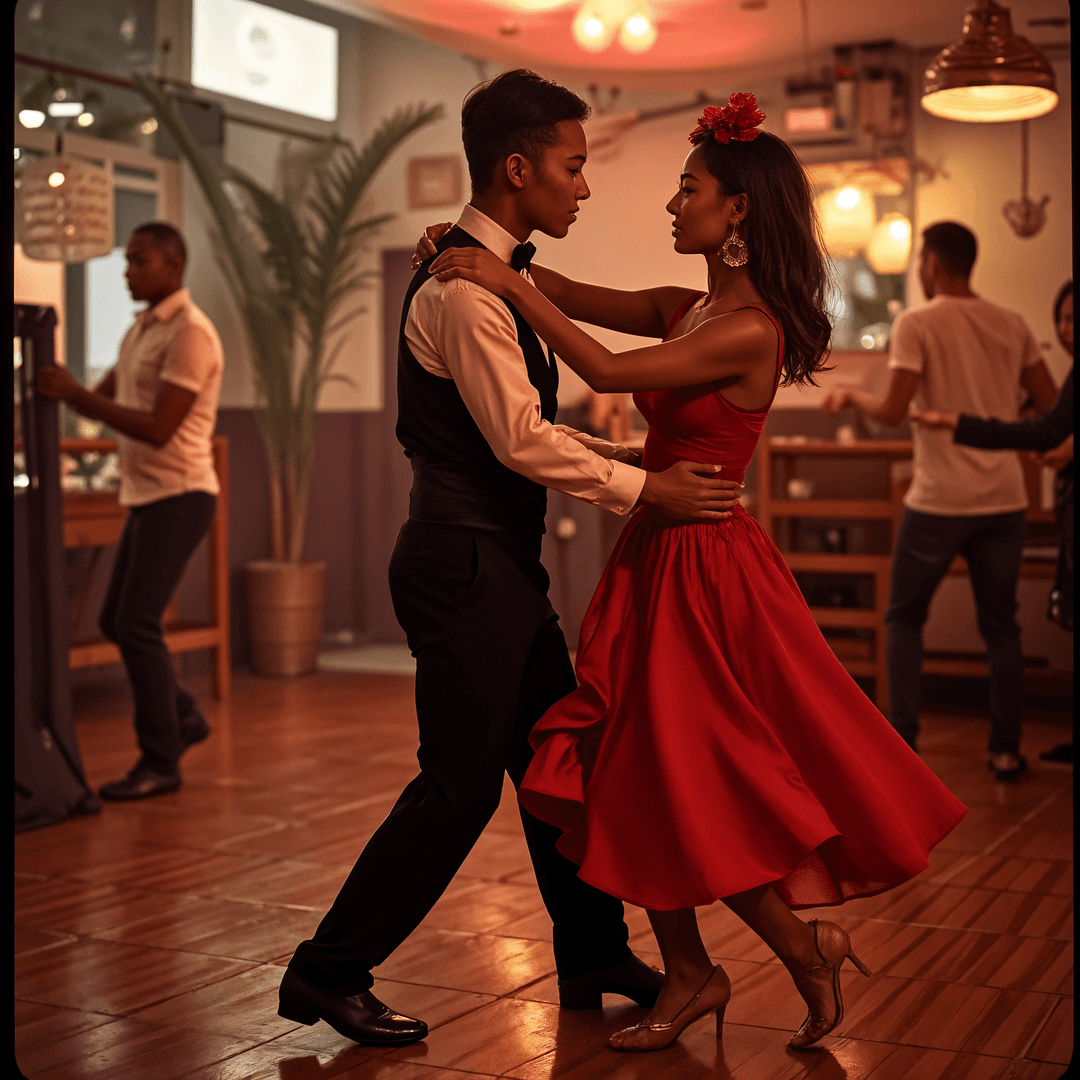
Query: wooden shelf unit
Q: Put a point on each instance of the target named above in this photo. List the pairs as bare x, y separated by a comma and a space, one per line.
96, 519
780, 455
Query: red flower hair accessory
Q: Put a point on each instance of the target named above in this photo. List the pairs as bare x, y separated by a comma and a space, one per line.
738, 120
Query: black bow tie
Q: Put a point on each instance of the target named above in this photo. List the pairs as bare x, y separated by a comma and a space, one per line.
522, 256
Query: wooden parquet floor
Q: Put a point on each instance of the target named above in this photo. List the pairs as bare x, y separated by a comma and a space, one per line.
150, 939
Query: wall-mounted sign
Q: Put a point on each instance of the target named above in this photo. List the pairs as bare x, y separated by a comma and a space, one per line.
434, 181
258, 53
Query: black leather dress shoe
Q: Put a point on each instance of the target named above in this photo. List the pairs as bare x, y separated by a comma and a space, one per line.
193, 729
142, 782
632, 978
360, 1017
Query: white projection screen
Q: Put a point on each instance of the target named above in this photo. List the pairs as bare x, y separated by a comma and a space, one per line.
258, 53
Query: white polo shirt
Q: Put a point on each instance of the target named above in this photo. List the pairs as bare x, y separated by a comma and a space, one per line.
173, 342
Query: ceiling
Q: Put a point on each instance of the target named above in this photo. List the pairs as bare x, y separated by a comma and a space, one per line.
695, 36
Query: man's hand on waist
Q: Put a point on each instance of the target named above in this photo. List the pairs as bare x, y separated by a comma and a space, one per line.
691, 491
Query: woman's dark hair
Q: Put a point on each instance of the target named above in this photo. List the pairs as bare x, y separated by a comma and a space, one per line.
1063, 294
787, 261
954, 245
517, 112
166, 237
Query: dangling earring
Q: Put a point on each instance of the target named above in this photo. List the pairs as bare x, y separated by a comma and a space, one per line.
734, 251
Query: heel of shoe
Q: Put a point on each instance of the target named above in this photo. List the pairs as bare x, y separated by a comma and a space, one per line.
580, 998
720, 1021
858, 963
292, 1004
298, 1014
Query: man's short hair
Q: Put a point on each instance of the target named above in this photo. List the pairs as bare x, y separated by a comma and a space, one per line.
517, 112
954, 245
166, 237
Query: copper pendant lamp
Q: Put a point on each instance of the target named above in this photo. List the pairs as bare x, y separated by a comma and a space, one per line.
991, 74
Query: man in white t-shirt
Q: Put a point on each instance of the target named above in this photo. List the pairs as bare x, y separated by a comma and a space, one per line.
161, 399
963, 353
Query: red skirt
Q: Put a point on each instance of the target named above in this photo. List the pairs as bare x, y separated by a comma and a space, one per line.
715, 742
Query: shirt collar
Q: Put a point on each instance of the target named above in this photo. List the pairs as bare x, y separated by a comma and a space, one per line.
168, 307
491, 234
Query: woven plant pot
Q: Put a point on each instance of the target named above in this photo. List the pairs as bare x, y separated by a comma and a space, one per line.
286, 603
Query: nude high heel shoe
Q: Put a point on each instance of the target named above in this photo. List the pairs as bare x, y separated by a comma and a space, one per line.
834, 947
713, 997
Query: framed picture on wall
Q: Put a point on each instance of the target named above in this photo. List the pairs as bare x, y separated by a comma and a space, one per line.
434, 181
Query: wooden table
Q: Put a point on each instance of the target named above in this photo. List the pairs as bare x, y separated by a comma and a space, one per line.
96, 519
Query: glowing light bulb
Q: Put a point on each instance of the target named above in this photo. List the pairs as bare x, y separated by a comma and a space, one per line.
590, 30
31, 118
148, 127
848, 198
56, 179
84, 119
638, 33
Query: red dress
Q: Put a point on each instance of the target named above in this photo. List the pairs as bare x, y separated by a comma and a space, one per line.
715, 743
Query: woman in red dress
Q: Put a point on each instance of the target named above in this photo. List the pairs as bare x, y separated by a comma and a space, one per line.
716, 749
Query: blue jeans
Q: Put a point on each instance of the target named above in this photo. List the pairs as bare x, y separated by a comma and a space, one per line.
926, 544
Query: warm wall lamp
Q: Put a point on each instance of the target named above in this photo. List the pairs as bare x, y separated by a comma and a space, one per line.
991, 74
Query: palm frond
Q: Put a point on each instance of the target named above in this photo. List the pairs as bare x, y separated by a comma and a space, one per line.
289, 264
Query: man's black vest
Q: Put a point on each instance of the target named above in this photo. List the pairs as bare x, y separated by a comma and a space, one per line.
457, 479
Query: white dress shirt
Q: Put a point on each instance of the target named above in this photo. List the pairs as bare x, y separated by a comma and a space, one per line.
458, 330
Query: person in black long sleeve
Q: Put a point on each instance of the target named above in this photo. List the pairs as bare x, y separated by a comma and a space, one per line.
1051, 433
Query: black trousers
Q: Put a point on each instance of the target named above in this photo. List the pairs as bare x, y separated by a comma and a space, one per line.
490, 660
157, 541
926, 544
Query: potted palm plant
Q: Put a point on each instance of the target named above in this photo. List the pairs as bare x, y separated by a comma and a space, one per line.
290, 261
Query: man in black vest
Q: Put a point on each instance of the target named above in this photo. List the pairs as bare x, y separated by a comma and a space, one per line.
476, 405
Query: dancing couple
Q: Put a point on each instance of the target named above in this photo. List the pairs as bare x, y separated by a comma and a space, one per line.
715, 748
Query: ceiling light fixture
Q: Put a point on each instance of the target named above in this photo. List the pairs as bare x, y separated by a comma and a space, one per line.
991, 74
65, 108
34, 102
598, 21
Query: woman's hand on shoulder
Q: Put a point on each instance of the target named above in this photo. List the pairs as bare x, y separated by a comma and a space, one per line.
425, 246
480, 266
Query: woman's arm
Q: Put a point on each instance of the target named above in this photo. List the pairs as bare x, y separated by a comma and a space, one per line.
1037, 433
645, 312
725, 347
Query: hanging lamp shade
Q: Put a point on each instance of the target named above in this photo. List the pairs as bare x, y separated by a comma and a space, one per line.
64, 210
991, 74
889, 248
847, 220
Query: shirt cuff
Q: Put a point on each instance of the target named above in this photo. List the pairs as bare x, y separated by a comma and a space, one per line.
622, 491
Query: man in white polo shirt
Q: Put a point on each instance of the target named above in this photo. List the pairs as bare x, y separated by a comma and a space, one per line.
963, 353
161, 398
